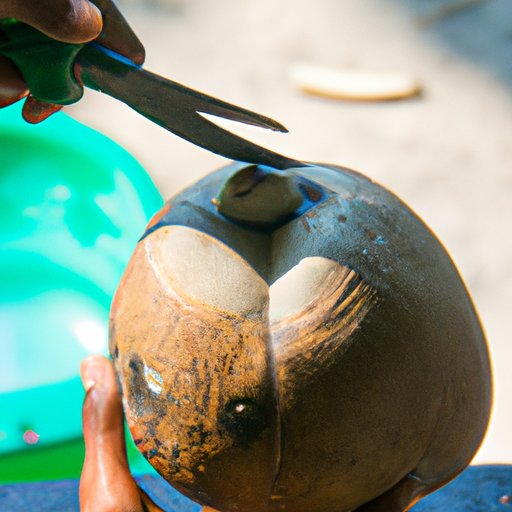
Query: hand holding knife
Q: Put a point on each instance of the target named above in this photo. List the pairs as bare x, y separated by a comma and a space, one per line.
56, 72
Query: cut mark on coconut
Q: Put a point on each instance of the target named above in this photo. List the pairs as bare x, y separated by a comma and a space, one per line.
299, 287
309, 312
206, 271
314, 309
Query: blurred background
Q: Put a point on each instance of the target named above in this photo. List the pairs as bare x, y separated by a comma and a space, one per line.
447, 152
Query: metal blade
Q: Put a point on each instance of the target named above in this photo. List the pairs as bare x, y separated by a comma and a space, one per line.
176, 107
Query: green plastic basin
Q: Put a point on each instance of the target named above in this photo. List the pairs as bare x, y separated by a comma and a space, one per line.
72, 207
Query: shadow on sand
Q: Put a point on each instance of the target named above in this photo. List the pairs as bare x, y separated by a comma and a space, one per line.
477, 30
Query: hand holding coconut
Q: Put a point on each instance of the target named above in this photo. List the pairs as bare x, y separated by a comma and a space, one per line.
298, 340
106, 483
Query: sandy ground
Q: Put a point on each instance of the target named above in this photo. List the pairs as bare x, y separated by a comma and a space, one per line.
448, 154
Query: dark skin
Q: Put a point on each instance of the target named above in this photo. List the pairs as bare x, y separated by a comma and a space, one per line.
69, 21
106, 484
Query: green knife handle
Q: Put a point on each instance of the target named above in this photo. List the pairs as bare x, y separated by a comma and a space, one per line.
45, 64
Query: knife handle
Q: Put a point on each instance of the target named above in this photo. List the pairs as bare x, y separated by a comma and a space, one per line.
45, 64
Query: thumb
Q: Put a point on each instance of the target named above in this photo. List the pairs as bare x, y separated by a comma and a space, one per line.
106, 483
71, 21
12, 86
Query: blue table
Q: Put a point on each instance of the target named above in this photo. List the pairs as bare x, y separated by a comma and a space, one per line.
478, 489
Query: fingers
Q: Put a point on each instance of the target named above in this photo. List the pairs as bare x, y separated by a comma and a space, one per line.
12, 85
106, 484
13, 88
70, 21
117, 33
78, 21
34, 110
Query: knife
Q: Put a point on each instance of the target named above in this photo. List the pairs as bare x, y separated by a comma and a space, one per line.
56, 72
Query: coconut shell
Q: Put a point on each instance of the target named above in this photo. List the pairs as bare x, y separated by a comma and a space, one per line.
328, 357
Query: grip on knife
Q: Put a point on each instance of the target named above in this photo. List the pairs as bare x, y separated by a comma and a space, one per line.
45, 64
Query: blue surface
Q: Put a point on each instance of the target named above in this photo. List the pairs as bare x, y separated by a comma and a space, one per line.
478, 489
